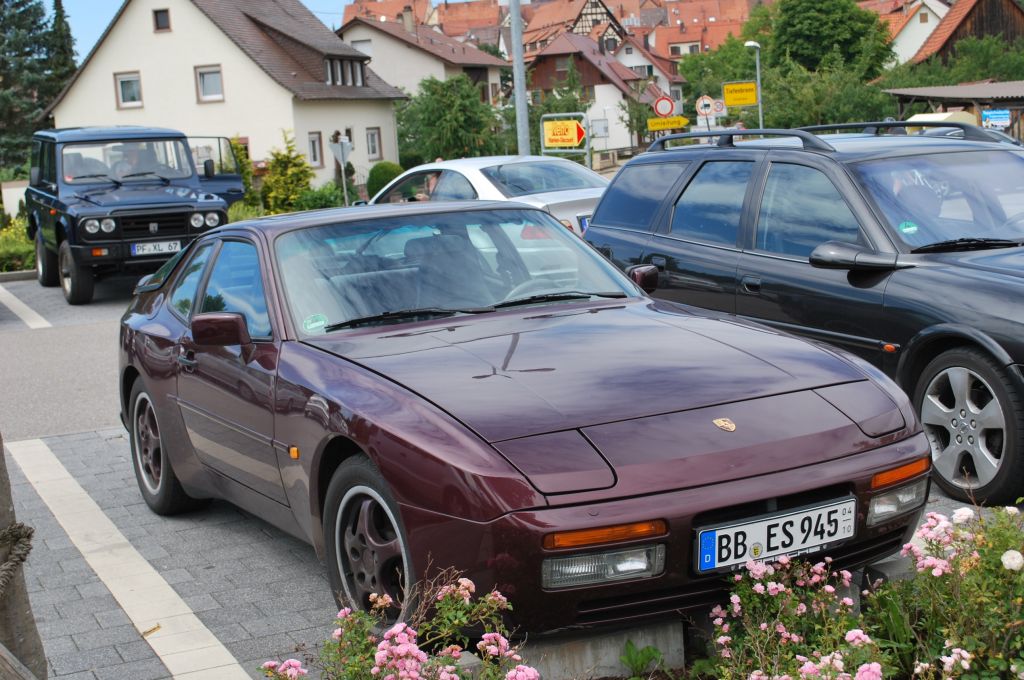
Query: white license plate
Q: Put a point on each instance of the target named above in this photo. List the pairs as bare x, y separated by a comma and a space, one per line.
767, 538
156, 248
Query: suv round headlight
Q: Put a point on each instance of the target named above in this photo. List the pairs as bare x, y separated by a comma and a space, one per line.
196, 220
108, 225
92, 226
212, 219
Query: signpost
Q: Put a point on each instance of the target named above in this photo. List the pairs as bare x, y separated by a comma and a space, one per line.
562, 133
742, 93
341, 149
996, 118
664, 107
669, 123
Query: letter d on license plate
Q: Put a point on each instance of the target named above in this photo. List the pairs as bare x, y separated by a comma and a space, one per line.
765, 538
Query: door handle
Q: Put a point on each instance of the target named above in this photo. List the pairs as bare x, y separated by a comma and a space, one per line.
751, 284
659, 262
188, 361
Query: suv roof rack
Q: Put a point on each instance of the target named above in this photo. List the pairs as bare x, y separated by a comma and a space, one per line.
972, 132
725, 137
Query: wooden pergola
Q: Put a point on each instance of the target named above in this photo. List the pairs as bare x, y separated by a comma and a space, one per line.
972, 97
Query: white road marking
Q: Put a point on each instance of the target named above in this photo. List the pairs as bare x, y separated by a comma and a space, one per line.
23, 311
185, 646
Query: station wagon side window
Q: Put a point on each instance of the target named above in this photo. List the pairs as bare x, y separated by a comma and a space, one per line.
801, 209
183, 294
710, 207
236, 285
634, 196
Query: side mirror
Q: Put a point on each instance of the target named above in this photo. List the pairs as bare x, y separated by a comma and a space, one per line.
33, 176
360, 202
645, 276
836, 255
209, 169
220, 329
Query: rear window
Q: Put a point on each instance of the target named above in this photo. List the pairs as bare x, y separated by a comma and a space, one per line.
537, 177
635, 194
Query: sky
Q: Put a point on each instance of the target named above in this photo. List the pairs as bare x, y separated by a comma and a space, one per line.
88, 18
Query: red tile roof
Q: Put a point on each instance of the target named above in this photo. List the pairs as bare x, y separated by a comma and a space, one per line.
580, 45
710, 36
942, 33
392, 9
896, 21
431, 41
458, 18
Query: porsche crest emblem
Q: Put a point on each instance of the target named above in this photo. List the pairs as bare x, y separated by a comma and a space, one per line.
724, 424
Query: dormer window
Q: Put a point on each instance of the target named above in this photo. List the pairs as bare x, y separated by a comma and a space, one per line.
344, 72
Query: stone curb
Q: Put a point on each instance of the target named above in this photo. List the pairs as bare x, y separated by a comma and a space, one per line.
24, 275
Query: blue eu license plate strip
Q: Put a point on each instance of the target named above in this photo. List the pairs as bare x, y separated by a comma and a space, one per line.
584, 223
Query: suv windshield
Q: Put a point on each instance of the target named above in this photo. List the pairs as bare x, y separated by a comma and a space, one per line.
135, 160
943, 197
536, 177
419, 265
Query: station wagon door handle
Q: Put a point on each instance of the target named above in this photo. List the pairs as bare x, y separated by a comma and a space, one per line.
751, 284
187, 360
659, 262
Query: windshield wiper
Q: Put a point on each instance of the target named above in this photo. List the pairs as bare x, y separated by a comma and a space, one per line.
431, 312
563, 295
966, 244
165, 180
100, 175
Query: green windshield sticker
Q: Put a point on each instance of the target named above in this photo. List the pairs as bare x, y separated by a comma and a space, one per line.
314, 322
908, 227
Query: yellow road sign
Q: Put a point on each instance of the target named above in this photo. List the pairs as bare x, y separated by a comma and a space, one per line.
740, 94
670, 123
563, 133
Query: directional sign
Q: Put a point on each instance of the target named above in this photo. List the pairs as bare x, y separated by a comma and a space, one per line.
670, 123
740, 94
563, 133
664, 107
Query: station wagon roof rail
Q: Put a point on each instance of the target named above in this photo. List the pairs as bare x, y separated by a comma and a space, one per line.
970, 131
725, 137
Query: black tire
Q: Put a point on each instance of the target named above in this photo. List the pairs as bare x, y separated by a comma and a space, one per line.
153, 472
76, 281
364, 539
46, 264
976, 451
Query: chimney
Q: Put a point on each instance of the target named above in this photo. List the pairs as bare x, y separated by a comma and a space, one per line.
407, 19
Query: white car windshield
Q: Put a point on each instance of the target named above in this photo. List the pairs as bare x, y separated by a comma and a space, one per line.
536, 177
135, 160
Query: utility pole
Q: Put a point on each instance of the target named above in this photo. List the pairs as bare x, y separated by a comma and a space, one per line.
519, 80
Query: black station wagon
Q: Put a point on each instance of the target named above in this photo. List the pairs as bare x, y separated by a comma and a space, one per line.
902, 249
103, 200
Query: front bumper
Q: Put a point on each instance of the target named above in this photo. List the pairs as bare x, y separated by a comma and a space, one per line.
507, 553
118, 254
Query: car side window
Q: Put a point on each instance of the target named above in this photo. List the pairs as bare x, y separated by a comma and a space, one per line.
417, 187
801, 209
183, 294
236, 285
636, 193
453, 186
48, 164
710, 207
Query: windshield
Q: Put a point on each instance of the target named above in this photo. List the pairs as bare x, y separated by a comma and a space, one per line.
941, 197
137, 160
536, 177
438, 261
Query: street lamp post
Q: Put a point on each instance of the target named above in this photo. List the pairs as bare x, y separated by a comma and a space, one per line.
757, 65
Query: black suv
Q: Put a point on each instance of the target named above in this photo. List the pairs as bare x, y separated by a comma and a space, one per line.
902, 249
102, 200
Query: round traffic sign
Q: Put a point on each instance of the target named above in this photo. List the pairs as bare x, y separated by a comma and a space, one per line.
719, 106
664, 107
704, 104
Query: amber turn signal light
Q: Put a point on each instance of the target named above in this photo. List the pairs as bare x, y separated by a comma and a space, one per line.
620, 532
901, 473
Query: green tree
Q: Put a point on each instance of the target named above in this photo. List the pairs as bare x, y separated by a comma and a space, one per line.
251, 197
288, 175
59, 55
634, 114
705, 72
808, 30
447, 119
22, 76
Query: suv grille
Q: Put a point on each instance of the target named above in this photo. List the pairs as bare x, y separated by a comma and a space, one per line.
168, 224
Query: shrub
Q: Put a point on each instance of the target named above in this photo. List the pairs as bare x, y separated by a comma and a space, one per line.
241, 211
17, 251
380, 174
330, 195
252, 196
288, 175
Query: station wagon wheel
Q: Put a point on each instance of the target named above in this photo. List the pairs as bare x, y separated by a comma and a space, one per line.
46, 264
364, 539
77, 281
973, 417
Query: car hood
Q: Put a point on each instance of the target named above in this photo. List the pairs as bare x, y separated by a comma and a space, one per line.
985, 263
567, 366
146, 194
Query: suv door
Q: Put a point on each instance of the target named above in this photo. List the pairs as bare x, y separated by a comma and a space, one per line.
697, 244
226, 181
804, 203
42, 201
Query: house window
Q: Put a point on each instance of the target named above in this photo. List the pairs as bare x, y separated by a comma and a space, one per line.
128, 90
924, 17
694, 49
373, 150
357, 71
351, 139
316, 150
348, 72
209, 84
677, 94
561, 67
161, 20
629, 50
364, 46
675, 50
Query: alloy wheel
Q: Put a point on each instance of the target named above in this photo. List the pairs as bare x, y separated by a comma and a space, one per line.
370, 552
65, 272
148, 451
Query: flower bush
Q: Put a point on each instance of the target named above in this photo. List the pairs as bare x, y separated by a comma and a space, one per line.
429, 646
960, 615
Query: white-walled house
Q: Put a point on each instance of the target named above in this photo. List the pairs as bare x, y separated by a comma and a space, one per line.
404, 53
912, 24
251, 68
663, 73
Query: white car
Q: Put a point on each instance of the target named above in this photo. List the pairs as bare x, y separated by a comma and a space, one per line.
565, 189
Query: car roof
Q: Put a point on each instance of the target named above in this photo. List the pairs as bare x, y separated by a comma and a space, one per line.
277, 224
111, 132
484, 162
